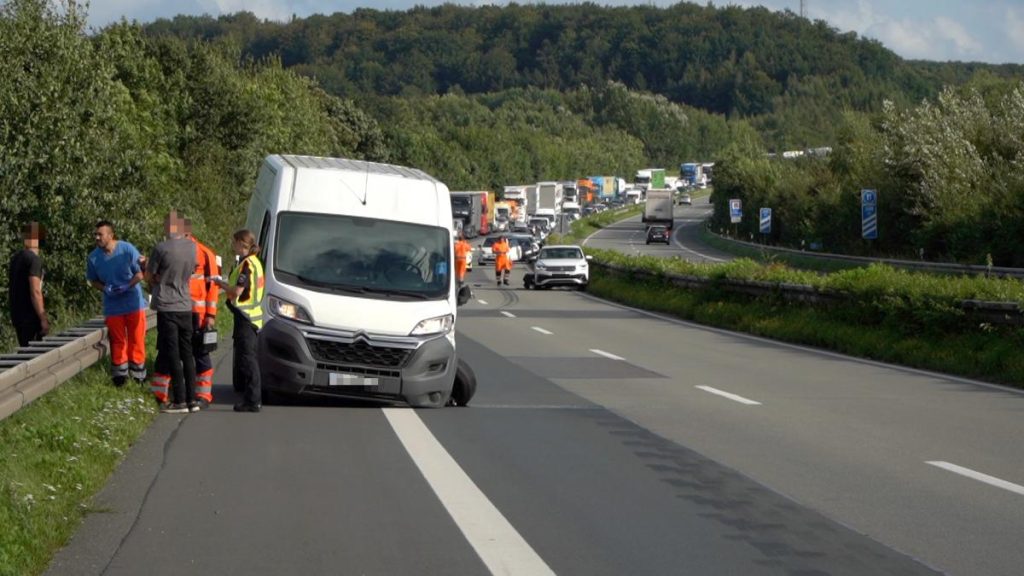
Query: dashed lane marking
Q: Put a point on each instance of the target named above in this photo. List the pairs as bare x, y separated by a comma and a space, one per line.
507, 314
606, 354
542, 331
980, 477
484, 302
730, 396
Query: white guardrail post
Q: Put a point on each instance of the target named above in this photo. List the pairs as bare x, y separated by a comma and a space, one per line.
43, 365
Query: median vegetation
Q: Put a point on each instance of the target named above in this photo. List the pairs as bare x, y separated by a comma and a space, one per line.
878, 312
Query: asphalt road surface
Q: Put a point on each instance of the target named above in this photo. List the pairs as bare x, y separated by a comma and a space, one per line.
630, 236
602, 440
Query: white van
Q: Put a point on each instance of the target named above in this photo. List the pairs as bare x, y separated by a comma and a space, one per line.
360, 297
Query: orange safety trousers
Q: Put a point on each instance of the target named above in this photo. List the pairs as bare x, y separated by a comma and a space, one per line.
127, 336
160, 384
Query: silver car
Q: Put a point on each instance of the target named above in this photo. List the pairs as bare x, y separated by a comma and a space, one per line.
563, 265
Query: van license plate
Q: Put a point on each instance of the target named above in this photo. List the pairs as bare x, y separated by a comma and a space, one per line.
339, 379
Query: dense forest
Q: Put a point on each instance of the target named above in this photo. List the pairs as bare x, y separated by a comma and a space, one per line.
790, 77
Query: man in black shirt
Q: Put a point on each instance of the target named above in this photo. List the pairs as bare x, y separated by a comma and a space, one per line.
25, 288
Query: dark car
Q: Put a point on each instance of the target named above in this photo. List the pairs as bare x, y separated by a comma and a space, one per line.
659, 234
527, 244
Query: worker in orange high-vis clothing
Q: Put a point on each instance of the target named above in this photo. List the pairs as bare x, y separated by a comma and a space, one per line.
502, 260
463, 252
204, 293
114, 268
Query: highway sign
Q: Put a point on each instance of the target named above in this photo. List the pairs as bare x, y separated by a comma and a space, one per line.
766, 220
869, 214
735, 210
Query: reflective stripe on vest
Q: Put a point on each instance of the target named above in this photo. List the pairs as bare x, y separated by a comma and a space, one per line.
252, 307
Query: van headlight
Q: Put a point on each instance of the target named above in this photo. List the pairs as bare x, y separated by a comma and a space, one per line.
278, 307
439, 325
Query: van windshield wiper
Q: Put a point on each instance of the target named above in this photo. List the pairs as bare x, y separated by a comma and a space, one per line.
351, 288
392, 292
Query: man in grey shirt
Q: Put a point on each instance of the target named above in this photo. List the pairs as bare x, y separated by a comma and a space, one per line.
168, 272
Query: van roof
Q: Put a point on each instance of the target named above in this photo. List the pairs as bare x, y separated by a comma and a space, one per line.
345, 164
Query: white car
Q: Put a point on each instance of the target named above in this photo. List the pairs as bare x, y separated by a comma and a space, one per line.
686, 198
487, 255
564, 265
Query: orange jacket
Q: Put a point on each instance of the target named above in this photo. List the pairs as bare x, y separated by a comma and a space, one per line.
462, 250
204, 291
502, 261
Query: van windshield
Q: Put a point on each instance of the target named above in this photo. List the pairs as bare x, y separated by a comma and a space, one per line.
366, 256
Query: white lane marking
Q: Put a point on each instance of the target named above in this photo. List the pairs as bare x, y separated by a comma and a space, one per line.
692, 251
801, 348
991, 480
495, 540
482, 302
730, 396
606, 354
541, 330
507, 314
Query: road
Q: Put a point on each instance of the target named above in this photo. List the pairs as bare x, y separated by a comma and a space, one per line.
602, 440
629, 236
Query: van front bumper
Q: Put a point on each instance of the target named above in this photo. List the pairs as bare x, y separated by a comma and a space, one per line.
297, 359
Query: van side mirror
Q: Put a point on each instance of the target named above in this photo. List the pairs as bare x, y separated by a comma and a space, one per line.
464, 295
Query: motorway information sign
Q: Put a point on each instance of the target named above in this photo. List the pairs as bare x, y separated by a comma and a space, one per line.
766, 220
735, 210
869, 214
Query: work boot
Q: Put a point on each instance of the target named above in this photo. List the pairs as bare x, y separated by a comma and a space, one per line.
119, 381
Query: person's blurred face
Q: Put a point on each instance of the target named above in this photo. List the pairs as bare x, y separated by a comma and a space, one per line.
32, 235
104, 236
173, 225
240, 248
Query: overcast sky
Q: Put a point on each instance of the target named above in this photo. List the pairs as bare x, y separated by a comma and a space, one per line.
969, 30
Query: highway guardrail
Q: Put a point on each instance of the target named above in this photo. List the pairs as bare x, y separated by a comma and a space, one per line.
33, 370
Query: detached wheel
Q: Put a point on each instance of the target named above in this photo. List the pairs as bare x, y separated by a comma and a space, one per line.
465, 385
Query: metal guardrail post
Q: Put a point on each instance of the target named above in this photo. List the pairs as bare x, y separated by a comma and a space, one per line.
43, 365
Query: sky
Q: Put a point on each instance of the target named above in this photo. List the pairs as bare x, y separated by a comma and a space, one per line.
966, 30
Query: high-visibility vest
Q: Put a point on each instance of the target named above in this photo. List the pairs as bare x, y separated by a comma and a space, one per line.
204, 291
251, 307
462, 250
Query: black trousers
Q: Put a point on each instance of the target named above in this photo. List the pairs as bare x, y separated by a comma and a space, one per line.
28, 331
174, 351
245, 366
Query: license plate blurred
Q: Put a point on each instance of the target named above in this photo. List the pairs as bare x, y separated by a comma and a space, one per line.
340, 379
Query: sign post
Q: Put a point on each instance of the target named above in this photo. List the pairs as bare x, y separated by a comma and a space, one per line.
765, 222
869, 214
735, 214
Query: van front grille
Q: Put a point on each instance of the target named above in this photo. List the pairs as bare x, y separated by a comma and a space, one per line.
358, 352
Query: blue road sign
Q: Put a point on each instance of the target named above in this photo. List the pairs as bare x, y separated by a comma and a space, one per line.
766, 220
869, 222
868, 198
735, 210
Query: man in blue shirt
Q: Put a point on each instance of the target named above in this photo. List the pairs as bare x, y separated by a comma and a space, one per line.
114, 268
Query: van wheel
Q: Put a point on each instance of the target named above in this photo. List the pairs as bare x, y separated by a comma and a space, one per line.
465, 385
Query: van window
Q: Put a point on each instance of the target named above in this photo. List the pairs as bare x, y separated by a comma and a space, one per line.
366, 256
262, 238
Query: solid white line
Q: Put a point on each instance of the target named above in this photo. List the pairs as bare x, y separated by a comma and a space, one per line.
730, 396
991, 480
508, 314
541, 330
495, 540
482, 302
606, 354
692, 251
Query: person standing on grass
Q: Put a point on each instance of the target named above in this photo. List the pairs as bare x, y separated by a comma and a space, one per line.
244, 291
169, 272
114, 268
25, 288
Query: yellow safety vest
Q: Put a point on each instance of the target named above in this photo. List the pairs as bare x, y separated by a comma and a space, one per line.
252, 307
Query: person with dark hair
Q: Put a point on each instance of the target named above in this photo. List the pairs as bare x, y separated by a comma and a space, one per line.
25, 288
244, 291
114, 269
169, 273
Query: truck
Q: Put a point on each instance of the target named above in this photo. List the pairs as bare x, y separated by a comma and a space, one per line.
658, 208
471, 208
650, 178
632, 196
517, 195
360, 292
692, 175
549, 198
570, 192
504, 215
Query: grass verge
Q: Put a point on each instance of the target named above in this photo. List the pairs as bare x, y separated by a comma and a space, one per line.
991, 356
768, 257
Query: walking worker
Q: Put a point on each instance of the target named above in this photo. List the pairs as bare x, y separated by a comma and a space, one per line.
25, 288
114, 268
502, 260
168, 272
462, 255
244, 291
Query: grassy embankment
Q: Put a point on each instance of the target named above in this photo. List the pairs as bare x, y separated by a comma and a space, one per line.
57, 453
888, 315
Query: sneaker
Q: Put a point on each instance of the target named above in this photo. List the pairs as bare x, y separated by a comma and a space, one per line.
175, 408
243, 407
193, 406
506, 282
203, 403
